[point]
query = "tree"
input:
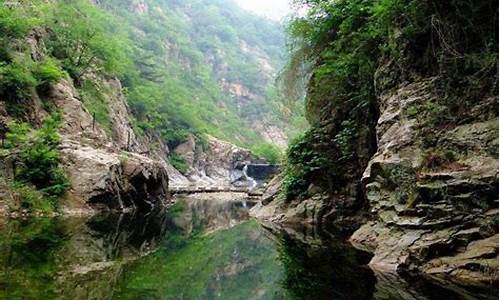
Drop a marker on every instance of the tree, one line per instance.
(85, 39)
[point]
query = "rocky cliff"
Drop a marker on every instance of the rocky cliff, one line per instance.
(111, 170)
(218, 164)
(403, 162)
(433, 191)
(107, 167)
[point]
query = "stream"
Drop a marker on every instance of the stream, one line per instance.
(201, 248)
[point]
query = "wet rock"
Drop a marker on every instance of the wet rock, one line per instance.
(272, 189)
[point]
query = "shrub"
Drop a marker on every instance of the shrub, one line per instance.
(32, 199)
(305, 160)
(436, 158)
(83, 40)
(48, 71)
(178, 162)
(12, 24)
(38, 157)
(16, 80)
(269, 152)
(19, 77)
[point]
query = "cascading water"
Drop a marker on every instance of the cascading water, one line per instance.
(251, 182)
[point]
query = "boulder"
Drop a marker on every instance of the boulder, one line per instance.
(100, 177)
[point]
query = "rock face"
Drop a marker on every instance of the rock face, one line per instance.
(216, 164)
(273, 208)
(107, 166)
(262, 171)
(429, 195)
(118, 181)
(435, 206)
(106, 171)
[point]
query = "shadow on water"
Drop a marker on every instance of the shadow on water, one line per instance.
(317, 265)
(317, 268)
(198, 249)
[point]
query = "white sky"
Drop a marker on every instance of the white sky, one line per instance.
(273, 9)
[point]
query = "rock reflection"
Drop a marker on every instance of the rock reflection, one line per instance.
(212, 212)
(73, 258)
(319, 265)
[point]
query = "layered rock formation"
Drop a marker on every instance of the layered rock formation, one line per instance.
(111, 171)
(217, 163)
(435, 208)
(418, 187)
(431, 192)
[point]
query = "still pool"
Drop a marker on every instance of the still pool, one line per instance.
(199, 249)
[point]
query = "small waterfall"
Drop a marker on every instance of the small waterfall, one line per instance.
(252, 183)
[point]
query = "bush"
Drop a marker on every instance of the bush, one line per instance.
(269, 152)
(38, 157)
(48, 71)
(19, 78)
(436, 158)
(16, 80)
(87, 39)
(32, 199)
(305, 160)
(178, 162)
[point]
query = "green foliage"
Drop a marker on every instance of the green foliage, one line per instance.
(340, 45)
(20, 76)
(32, 199)
(86, 39)
(317, 156)
(38, 157)
(172, 90)
(178, 162)
(12, 23)
(95, 101)
(269, 152)
(172, 61)
(33, 248)
(19, 72)
(345, 140)
(16, 80)
(437, 157)
(305, 160)
(190, 264)
(48, 71)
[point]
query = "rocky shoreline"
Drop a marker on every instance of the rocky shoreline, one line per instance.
(427, 210)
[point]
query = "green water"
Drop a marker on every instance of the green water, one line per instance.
(199, 249)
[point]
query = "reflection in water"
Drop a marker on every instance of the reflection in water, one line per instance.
(317, 269)
(199, 249)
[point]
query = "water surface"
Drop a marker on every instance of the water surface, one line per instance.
(199, 249)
